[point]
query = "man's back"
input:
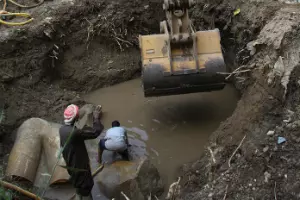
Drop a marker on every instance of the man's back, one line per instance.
(116, 139)
(76, 155)
(75, 152)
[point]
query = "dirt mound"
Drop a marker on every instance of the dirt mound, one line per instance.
(245, 158)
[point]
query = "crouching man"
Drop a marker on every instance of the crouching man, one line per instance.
(75, 152)
(115, 140)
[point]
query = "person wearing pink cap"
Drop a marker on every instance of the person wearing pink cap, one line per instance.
(75, 152)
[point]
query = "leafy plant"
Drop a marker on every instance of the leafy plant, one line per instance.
(5, 194)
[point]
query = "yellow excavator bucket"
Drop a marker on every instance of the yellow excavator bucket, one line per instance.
(181, 61)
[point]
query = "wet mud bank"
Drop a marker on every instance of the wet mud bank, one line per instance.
(74, 47)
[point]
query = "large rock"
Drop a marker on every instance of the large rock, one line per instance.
(136, 179)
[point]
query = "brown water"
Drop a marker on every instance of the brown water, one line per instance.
(170, 130)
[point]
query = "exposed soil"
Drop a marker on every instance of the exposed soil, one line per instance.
(260, 168)
(74, 46)
(70, 48)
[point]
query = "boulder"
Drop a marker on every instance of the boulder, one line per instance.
(136, 179)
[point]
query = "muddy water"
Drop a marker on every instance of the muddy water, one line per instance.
(170, 130)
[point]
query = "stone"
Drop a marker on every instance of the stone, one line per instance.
(287, 120)
(270, 133)
(265, 149)
(136, 179)
(267, 176)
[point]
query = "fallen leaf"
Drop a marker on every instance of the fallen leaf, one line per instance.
(236, 12)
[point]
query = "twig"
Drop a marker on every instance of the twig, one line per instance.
(119, 44)
(156, 197)
(236, 150)
(7, 74)
(18, 189)
(225, 195)
(125, 41)
(176, 188)
(275, 196)
(243, 66)
(90, 30)
(173, 189)
(124, 195)
(212, 154)
(232, 73)
(4, 5)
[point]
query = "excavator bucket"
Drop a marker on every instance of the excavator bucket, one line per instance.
(181, 61)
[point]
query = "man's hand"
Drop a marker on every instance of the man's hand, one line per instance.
(97, 113)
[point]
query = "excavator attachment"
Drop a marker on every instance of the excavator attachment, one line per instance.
(180, 60)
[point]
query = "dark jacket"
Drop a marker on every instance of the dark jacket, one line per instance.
(76, 155)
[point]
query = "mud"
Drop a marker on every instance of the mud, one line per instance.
(261, 168)
(162, 127)
(72, 48)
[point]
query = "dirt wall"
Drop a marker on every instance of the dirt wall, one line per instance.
(245, 158)
(70, 48)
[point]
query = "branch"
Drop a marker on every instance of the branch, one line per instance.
(212, 154)
(236, 150)
(236, 71)
(122, 40)
(275, 195)
(124, 195)
(225, 195)
(18, 189)
(173, 189)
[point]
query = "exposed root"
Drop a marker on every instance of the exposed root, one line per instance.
(117, 36)
(124, 195)
(212, 154)
(4, 5)
(225, 195)
(236, 150)
(275, 195)
(149, 197)
(90, 31)
(174, 190)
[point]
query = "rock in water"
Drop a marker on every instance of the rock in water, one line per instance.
(136, 179)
